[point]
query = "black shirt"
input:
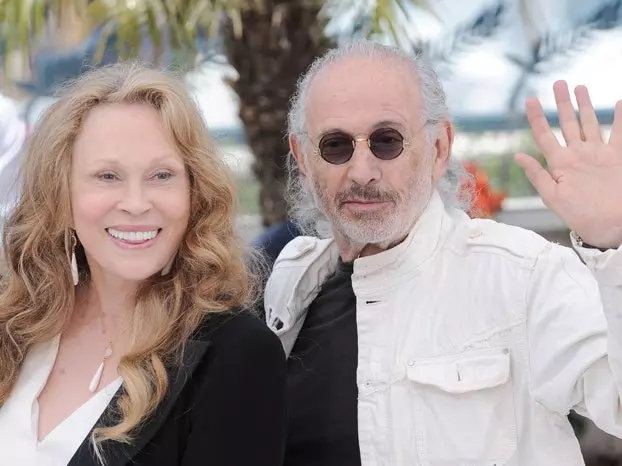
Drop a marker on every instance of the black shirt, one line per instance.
(322, 380)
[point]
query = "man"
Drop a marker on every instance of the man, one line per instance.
(418, 336)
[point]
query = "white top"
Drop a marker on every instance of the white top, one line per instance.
(19, 417)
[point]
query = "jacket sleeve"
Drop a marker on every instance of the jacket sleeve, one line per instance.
(239, 417)
(575, 335)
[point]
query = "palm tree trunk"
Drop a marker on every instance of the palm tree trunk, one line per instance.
(277, 44)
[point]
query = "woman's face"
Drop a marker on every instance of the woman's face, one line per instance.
(130, 193)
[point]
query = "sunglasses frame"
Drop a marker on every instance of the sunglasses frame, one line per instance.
(405, 143)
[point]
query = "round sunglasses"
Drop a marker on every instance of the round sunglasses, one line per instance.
(338, 147)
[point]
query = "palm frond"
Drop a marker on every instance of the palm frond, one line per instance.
(607, 17)
(444, 51)
(553, 47)
(374, 19)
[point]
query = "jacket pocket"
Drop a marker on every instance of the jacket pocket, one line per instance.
(464, 408)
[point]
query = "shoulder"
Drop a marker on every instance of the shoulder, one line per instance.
(239, 331)
(301, 250)
(484, 235)
(242, 367)
(296, 257)
(299, 270)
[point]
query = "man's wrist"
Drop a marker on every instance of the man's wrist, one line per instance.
(581, 242)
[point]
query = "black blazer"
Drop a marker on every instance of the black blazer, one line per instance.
(225, 406)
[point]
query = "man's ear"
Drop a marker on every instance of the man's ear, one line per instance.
(295, 147)
(442, 152)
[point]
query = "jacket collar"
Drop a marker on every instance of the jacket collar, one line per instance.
(393, 265)
(306, 262)
(118, 454)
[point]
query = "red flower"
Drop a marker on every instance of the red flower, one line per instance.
(486, 201)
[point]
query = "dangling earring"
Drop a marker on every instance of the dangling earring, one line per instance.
(74, 262)
(169, 265)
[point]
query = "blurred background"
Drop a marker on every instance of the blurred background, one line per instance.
(241, 60)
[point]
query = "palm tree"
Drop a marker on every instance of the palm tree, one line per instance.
(269, 42)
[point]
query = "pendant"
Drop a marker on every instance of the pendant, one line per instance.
(98, 375)
(96, 378)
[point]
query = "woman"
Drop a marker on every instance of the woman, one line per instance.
(119, 339)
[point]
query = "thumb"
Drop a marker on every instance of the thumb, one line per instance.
(537, 175)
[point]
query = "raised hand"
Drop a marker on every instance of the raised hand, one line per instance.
(582, 183)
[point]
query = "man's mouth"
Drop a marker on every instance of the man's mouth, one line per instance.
(363, 201)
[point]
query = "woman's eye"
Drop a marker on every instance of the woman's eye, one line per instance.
(107, 177)
(163, 176)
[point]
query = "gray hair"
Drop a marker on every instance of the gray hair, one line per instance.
(304, 208)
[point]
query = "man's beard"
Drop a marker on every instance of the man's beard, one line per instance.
(374, 227)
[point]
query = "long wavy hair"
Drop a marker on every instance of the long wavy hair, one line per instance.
(37, 295)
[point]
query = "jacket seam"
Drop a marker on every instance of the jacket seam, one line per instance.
(528, 349)
(486, 335)
(524, 261)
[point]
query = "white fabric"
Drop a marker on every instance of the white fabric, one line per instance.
(475, 339)
(12, 139)
(19, 417)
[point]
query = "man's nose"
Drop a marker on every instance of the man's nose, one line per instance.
(363, 166)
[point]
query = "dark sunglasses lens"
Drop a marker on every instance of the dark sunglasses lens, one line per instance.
(336, 148)
(386, 144)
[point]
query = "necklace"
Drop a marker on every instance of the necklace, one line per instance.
(100, 370)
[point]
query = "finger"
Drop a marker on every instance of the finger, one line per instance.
(537, 175)
(567, 117)
(589, 121)
(615, 138)
(540, 129)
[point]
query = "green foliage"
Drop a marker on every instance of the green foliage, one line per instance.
(181, 22)
(505, 174)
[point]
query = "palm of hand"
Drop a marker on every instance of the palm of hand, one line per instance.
(583, 180)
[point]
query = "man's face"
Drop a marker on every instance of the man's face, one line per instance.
(370, 200)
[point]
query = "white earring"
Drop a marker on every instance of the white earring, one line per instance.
(169, 265)
(74, 262)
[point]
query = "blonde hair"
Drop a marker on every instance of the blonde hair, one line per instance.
(37, 296)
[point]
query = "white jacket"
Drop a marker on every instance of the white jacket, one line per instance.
(475, 339)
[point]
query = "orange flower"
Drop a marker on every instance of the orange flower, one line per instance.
(486, 202)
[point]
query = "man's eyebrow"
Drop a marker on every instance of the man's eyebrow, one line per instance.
(326, 131)
(380, 124)
(389, 123)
